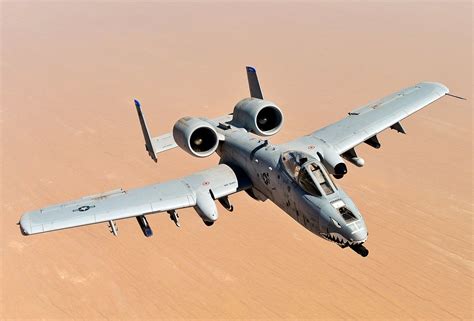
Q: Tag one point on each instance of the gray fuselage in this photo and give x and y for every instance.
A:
(262, 163)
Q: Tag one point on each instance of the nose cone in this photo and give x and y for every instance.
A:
(357, 230)
(359, 236)
(343, 231)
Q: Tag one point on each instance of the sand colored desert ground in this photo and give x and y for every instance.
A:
(68, 129)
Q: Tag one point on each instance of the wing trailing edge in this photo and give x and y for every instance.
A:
(212, 184)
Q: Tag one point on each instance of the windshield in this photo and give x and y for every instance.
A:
(292, 162)
(308, 173)
(322, 179)
(306, 182)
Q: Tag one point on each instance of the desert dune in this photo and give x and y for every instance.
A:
(69, 73)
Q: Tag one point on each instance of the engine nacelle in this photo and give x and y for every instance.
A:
(196, 136)
(333, 162)
(261, 117)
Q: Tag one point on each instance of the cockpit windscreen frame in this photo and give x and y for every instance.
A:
(310, 174)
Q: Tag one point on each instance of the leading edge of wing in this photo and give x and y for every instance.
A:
(220, 181)
(369, 120)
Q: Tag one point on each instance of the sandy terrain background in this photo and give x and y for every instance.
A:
(68, 128)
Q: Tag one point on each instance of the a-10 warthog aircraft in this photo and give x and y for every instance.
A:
(296, 176)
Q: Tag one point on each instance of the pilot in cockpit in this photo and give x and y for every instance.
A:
(308, 173)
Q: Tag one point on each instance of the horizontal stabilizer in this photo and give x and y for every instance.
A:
(163, 143)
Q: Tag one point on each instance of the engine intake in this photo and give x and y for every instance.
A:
(261, 117)
(195, 136)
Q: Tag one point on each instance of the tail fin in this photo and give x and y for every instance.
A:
(146, 133)
(254, 86)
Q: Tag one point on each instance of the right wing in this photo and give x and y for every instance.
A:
(198, 190)
(364, 123)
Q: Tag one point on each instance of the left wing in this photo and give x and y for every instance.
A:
(198, 190)
(362, 124)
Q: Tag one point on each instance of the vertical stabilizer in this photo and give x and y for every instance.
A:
(146, 133)
(254, 86)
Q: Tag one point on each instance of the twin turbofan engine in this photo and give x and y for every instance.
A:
(259, 116)
(199, 138)
(196, 136)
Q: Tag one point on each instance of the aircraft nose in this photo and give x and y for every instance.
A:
(359, 236)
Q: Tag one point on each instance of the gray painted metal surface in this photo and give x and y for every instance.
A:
(120, 204)
(296, 176)
(369, 120)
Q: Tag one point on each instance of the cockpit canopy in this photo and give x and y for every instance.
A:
(308, 172)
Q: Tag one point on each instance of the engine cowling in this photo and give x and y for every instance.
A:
(195, 136)
(333, 162)
(259, 116)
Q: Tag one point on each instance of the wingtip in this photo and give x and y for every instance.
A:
(25, 224)
(441, 88)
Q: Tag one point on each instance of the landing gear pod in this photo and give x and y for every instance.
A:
(206, 208)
